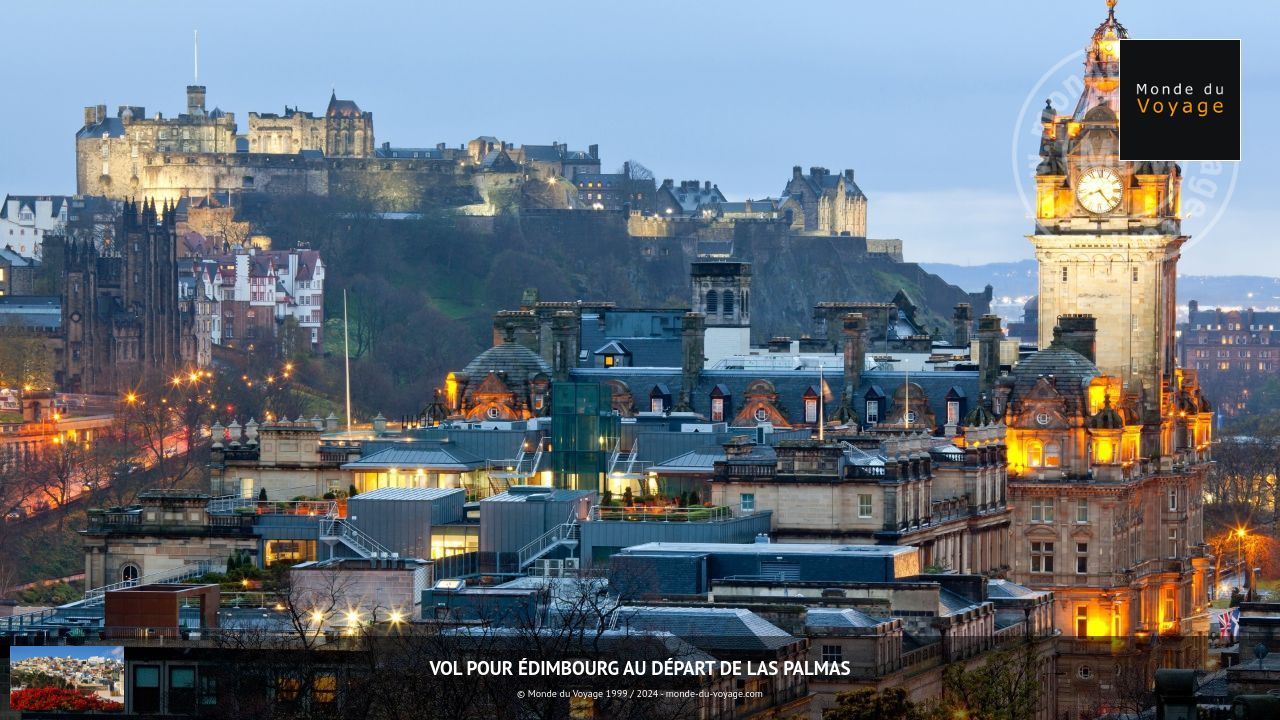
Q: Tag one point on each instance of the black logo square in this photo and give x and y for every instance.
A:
(1179, 99)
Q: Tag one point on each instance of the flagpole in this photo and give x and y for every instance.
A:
(346, 355)
(822, 390)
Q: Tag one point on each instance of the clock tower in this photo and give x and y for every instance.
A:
(1107, 232)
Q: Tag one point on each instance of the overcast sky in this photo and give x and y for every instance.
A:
(920, 98)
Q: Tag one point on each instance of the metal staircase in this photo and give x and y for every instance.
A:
(524, 466)
(565, 535)
(334, 530)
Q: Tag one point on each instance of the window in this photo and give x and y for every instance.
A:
(726, 302)
(953, 412)
(748, 502)
(717, 409)
(129, 572)
(811, 409)
(1170, 605)
(1082, 621)
(1174, 549)
(1042, 511)
(864, 505)
(655, 404)
(832, 653)
(873, 412)
(146, 688)
(1035, 454)
(1041, 557)
(1135, 274)
(1052, 455)
(1082, 511)
(1082, 558)
(608, 361)
(712, 301)
(1064, 274)
(1173, 498)
(761, 414)
(182, 689)
(1085, 672)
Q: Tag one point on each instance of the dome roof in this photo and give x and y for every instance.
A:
(1071, 373)
(515, 363)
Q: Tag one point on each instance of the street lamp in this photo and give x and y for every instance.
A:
(1240, 556)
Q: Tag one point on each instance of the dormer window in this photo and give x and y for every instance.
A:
(873, 412)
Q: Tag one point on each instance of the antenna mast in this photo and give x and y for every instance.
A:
(346, 356)
(196, 55)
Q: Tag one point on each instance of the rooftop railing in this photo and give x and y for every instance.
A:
(663, 513)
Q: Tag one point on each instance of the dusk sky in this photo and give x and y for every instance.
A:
(921, 99)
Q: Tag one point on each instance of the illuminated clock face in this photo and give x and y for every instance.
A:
(1099, 190)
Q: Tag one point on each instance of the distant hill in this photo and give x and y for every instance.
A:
(1019, 279)
(423, 290)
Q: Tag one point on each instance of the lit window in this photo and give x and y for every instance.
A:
(811, 409)
(1035, 454)
(953, 412)
(1082, 621)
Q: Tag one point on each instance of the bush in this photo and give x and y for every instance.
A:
(63, 699)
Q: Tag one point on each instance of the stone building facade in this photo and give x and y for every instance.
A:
(1232, 351)
(1108, 441)
(121, 313)
(825, 204)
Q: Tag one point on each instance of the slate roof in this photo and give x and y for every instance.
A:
(13, 259)
(541, 153)
(31, 311)
(1003, 589)
(839, 618)
(702, 460)
(29, 201)
(1071, 372)
(789, 384)
(398, 152)
(708, 629)
(341, 108)
(953, 603)
(514, 363)
(426, 455)
(112, 126)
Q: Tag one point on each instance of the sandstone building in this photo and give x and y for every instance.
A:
(1108, 440)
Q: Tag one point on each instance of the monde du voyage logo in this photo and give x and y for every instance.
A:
(1180, 100)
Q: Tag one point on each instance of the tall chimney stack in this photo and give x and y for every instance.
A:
(989, 336)
(1079, 333)
(693, 356)
(960, 322)
(854, 329)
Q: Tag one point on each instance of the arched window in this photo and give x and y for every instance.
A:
(1035, 454)
(129, 572)
(712, 301)
(728, 302)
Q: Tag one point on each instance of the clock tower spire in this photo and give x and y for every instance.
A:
(1108, 232)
